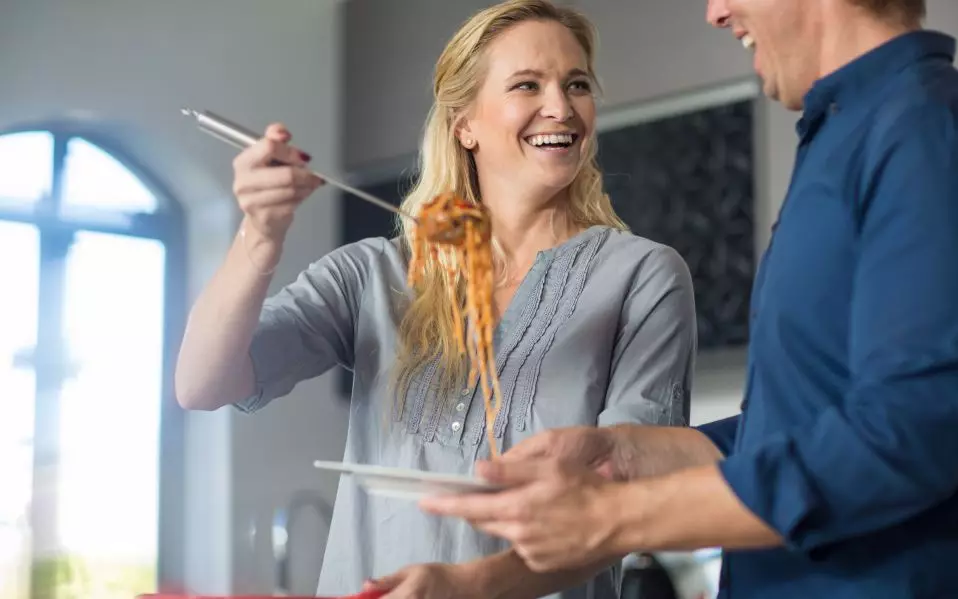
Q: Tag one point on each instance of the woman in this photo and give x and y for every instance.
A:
(595, 325)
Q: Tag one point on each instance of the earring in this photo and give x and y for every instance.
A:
(468, 142)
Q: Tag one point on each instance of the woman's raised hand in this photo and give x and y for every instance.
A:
(270, 181)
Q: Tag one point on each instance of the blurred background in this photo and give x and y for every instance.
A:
(115, 210)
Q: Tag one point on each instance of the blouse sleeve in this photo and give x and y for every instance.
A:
(654, 355)
(308, 327)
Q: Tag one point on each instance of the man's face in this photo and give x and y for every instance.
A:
(784, 37)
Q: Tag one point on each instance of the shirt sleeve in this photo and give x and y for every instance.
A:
(722, 432)
(890, 451)
(654, 355)
(307, 328)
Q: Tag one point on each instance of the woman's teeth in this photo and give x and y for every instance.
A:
(554, 139)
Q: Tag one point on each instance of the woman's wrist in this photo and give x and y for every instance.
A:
(487, 577)
(495, 576)
(263, 252)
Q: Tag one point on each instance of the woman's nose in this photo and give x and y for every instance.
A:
(556, 106)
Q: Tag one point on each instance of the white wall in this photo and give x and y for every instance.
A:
(124, 67)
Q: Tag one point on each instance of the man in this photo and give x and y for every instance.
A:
(840, 476)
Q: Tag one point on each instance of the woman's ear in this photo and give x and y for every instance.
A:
(465, 135)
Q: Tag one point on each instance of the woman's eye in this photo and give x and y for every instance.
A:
(529, 86)
(584, 86)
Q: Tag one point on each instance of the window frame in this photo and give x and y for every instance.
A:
(56, 232)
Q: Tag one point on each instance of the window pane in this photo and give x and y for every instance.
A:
(26, 167)
(18, 322)
(110, 413)
(93, 179)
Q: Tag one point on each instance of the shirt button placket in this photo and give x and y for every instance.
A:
(459, 417)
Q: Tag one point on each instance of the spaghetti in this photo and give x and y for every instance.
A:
(463, 232)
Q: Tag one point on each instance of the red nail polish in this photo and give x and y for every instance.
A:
(306, 157)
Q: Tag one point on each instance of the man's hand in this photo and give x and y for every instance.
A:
(623, 452)
(429, 581)
(557, 516)
(582, 446)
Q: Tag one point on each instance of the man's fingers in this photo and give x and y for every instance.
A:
(512, 473)
(504, 529)
(526, 453)
(479, 507)
(512, 503)
(533, 447)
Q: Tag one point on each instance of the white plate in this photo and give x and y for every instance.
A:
(404, 483)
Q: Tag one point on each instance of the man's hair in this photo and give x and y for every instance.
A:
(911, 12)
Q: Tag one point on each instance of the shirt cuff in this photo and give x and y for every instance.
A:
(771, 482)
(721, 432)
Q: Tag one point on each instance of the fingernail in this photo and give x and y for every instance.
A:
(306, 157)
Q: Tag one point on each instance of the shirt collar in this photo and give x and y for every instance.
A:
(855, 80)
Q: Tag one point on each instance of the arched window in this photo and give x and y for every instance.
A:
(90, 260)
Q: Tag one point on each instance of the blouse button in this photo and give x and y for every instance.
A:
(456, 426)
(460, 407)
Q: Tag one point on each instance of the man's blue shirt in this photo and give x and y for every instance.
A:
(848, 440)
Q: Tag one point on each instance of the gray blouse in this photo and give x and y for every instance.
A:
(601, 331)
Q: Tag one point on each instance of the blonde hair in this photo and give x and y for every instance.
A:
(428, 330)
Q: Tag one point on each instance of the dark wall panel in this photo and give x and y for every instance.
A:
(688, 181)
